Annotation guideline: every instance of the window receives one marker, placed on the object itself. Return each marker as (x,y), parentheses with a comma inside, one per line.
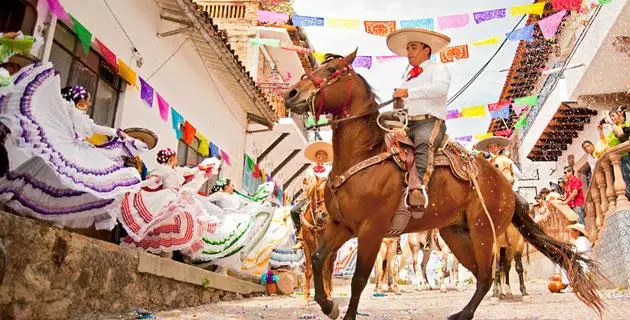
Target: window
(187,155)
(89,70)
(18,15)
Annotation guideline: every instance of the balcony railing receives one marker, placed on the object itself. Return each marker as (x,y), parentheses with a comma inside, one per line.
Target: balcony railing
(224,9)
(555,222)
(607,192)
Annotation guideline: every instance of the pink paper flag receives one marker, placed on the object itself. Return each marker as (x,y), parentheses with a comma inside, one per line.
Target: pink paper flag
(164,107)
(109,56)
(518,109)
(57,9)
(550,24)
(225,157)
(387,58)
(272,17)
(455,21)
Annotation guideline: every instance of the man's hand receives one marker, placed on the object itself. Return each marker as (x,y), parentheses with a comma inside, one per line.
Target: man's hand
(400,93)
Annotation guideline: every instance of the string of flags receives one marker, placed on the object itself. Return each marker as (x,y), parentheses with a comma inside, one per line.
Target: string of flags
(258,174)
(183,128)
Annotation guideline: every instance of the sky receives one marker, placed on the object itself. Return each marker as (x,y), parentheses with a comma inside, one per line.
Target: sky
(384,77)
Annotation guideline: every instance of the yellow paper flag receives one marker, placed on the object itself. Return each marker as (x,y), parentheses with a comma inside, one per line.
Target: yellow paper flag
(344,23)
(493,40)
(127,73)
(204,145)
(319,56)
(472,112)
(534,8)
(481,136)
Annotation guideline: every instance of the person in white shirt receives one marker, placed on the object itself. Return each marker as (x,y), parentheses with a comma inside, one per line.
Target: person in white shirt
(424,93)
(582,245)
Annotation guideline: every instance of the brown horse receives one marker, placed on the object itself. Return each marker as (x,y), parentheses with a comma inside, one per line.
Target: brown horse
(365,203)
(314,219)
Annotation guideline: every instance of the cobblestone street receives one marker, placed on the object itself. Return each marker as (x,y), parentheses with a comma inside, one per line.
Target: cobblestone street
(412,304)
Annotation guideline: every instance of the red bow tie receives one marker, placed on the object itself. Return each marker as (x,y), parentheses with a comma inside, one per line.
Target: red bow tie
(414,72)
(319,169)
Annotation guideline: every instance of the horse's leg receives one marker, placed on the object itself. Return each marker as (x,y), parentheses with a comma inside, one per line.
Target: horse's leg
(392,271)
(444,259)
(328,271)
(369,245)
(308,268)
(518,261)
(455,272)
(497,276)
(426,255)
(506,274)
(378,265)
(333,236)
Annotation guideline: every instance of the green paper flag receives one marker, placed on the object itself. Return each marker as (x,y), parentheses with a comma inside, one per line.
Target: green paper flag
(322,120)
(526,101)
(310,121)
(83,34)
(603,2)
(250,163)
(521,122)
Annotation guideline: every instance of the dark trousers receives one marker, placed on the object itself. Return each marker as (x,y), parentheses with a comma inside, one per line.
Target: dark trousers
(295,214)
(420,132)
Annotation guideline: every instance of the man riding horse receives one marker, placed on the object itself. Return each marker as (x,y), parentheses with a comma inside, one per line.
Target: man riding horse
(424,92)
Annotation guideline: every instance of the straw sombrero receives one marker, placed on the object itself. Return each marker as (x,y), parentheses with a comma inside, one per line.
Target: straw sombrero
(397,41)
(312,149)
(144,135)
(483,144)
(579,227)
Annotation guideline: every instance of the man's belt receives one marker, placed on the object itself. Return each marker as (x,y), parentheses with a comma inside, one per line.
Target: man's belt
(423,117)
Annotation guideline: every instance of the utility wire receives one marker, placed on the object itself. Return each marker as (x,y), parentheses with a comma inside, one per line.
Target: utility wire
(181,45)
(467,85)
(120,25)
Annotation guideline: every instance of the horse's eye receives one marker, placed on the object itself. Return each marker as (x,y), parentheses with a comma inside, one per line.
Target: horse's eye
(496,165)
(332,69)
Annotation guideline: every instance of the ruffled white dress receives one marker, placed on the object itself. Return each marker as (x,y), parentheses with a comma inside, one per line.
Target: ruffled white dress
(56,175)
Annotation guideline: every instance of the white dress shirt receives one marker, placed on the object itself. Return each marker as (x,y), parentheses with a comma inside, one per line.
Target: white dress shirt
(428,91)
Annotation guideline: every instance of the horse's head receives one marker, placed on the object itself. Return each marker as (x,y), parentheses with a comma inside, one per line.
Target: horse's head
(317,204)
(504,165)
(327,90)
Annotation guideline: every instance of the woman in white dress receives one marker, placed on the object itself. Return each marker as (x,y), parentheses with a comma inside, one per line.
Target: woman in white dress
(164,215)
(54,174)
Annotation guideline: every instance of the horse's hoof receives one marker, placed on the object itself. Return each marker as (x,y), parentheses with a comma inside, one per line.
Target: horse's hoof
(443,290)
(494,300)
(334,313)
(454,316)
(527,299)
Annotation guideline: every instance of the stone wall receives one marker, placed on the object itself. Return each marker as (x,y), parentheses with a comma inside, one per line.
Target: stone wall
(613,248)
(56,274)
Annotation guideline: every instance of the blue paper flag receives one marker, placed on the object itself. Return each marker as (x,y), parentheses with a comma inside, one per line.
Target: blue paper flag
(214,150)
(501,113)
(304,21)
(178,120)
(526,33)
(426,23)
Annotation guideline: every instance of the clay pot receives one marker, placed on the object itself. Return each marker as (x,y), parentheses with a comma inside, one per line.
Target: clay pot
(556,285)
(272,288)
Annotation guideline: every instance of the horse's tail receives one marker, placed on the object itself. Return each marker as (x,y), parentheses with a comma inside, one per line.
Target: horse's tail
(577,265)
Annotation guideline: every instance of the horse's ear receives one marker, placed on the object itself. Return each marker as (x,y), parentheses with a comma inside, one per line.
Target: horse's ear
(350,58)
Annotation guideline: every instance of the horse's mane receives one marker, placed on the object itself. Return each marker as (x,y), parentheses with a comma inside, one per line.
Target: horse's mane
(331,56)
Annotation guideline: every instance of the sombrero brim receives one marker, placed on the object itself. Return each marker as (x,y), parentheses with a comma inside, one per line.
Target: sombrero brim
(397,41)
(483,144)
(311,150)
(577,227)
(144,135)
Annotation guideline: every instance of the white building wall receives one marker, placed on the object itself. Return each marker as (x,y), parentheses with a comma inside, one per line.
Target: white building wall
(183,81)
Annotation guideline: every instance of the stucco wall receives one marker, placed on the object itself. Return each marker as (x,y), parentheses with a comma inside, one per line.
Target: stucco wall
(183,81)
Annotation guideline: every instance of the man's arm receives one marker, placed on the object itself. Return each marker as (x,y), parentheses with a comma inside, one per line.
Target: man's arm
(438,87)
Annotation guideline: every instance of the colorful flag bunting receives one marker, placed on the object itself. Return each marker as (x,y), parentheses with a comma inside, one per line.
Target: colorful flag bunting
(108,55)
(319,56)
(426,23)
(214,150)
(566,4)
(522,121)
(127,73)
(464,138)
(534,8)
(267,42)
(204,146)
(362,62)
(178,120)
(526,101)
(504,133)
(304,21)
(603,2)
(550,24)
(272,16)
(189,132)
(292,47)
(57,9)
(225,156)
(481,136)
(473,112)
(498,105)
(451,54)
(488,41)
(518,108)
(453,114)
(380,28)
(524,33)
(387,58)
(455,21)
(163,106)
(502,113)
(146,93)
(484,16)
(84,35)
(344,23)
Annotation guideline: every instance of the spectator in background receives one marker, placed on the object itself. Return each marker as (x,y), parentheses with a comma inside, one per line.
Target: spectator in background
(574,194)
(620,131)
(562,187)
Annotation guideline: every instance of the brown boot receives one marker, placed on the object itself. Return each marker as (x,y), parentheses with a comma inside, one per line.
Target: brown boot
(418,198)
